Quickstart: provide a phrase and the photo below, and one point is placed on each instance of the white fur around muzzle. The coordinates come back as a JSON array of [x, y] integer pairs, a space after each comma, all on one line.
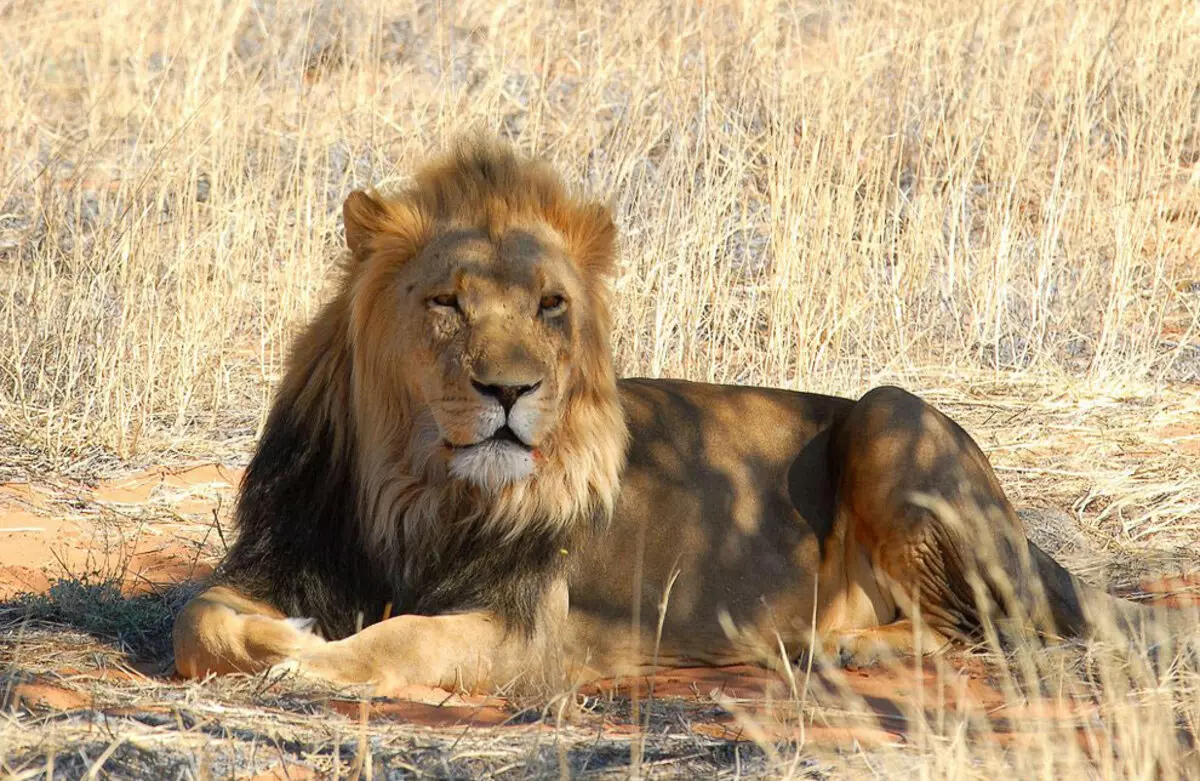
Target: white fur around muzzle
[[492, 465]]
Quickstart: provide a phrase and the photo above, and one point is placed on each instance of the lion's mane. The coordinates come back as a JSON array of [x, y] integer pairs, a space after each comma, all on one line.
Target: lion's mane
[[340, 519]]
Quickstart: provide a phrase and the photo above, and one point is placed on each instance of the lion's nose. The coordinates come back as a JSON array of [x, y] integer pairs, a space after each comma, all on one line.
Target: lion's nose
[[507, 395]]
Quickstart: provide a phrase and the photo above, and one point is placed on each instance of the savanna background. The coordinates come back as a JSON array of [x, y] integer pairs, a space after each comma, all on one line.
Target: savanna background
[[996, 205]]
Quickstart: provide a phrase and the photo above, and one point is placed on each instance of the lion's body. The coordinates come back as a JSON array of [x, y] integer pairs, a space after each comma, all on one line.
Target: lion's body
[[705, 498], [740, 499], [451, 467]]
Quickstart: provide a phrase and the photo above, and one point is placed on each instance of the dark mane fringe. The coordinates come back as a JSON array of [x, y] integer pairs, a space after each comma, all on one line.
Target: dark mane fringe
[[300, 544]]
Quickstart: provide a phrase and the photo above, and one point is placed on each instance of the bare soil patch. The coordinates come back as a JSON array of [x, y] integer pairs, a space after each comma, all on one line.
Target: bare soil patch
[[94, 572]]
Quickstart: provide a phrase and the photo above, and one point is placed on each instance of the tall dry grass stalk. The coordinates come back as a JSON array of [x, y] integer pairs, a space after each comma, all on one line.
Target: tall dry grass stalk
[[814, 195], [818, 195]]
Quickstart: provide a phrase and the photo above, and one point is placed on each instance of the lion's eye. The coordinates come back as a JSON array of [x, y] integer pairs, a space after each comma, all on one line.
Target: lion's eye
[[552, 305], [445, 300]]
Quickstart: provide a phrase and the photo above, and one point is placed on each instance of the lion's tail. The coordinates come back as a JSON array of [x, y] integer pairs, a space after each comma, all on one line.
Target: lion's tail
[[1080, 610]]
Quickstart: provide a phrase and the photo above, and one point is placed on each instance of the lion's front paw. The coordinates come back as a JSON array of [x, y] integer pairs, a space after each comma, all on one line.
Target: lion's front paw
[[328, 663], [288, 668]]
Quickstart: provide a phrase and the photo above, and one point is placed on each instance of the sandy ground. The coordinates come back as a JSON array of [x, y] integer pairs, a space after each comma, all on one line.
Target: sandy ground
[[155, 529], [151, 528]]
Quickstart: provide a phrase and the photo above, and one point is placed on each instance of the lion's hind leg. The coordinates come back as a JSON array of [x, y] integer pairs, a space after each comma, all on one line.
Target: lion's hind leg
[[922, 501], [904, 637], [224, 631]]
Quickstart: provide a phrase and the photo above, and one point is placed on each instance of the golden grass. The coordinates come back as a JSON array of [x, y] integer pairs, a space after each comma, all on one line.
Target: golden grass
[[995, 204], [817, 197]]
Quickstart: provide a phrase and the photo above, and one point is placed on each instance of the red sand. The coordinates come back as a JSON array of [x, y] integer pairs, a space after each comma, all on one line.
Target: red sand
[[155, 528], [148, 529]]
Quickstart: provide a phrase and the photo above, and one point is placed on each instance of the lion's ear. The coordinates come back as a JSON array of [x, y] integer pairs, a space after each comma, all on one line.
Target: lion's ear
[[594, 239], [365, 216]]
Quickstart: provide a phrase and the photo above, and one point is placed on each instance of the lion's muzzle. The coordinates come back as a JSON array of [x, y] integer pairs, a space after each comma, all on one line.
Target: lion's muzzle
[[502, 449], [507, 395]]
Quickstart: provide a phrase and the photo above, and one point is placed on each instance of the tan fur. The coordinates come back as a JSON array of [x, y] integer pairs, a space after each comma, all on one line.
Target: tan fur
[[772, 519], [236, 634]]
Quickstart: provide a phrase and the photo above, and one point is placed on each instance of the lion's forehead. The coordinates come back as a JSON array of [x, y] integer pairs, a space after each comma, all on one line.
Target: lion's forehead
[[525, 244], [527, 254]]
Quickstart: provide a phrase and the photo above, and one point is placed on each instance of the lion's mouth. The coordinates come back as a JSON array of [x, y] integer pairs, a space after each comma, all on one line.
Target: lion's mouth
[[503, 435]]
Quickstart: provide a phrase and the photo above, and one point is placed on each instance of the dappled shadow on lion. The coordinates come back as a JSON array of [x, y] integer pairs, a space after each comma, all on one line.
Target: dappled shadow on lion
[[453, 489]]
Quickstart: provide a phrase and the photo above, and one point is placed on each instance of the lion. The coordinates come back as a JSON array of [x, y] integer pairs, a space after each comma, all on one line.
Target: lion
[[453, 488]]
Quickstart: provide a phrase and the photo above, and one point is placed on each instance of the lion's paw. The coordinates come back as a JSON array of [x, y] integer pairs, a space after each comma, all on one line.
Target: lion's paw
[[328, 663], [288, 668], [854, 650]]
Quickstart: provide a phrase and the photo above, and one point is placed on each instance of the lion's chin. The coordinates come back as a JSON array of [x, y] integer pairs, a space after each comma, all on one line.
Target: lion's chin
[[492, 465]]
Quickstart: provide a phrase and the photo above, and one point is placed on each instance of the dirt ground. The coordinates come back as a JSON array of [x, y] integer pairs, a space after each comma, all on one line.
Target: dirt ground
[[91, 572]]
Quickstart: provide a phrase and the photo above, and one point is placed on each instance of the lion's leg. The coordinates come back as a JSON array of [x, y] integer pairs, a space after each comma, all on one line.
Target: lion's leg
[[472, 651], [921, 500], [223, 631], [865, 646], [459, 651]]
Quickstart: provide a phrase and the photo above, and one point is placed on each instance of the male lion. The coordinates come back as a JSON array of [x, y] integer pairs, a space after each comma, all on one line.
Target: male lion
[[455, 489]]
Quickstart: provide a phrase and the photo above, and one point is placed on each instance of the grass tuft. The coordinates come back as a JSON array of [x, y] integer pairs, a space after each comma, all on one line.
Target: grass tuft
[[94, 604]]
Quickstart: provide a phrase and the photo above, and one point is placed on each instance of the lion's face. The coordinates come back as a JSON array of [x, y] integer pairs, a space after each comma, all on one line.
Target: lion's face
[[496, 324], [491, 325]]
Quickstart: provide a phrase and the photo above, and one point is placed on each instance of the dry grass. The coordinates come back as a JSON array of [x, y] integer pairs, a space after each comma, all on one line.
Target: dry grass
[[995, 204]]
